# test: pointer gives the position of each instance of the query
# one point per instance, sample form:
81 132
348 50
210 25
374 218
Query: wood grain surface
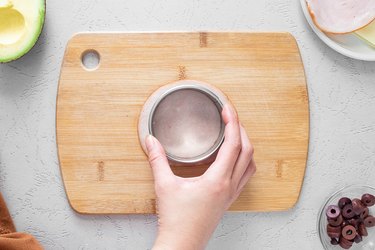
102 163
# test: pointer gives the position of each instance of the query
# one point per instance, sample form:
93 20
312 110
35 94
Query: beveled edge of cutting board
80 34
308 124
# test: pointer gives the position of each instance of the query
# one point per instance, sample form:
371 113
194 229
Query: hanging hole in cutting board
90 60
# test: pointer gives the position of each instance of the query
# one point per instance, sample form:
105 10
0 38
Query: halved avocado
21 22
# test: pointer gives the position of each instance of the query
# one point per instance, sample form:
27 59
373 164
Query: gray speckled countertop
342 143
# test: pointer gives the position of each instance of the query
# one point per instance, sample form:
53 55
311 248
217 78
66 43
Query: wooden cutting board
103 166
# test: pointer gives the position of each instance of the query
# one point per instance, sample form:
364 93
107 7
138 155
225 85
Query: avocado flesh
21 22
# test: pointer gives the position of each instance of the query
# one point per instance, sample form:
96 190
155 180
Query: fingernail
150 142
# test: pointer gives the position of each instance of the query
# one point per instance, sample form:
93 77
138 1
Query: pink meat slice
341 16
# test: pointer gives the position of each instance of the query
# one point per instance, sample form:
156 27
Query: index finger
231 147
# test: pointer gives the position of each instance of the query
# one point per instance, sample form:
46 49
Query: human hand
189 209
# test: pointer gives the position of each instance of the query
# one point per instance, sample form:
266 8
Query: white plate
348 44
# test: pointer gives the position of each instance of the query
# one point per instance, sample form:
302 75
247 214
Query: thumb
157 158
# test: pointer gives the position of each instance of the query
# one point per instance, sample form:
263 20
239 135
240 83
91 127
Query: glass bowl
354 191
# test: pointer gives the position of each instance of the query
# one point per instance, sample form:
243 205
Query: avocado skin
20 55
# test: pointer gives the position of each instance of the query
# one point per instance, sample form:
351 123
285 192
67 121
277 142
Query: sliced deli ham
341 16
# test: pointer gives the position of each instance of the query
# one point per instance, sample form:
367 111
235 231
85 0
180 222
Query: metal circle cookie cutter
145 122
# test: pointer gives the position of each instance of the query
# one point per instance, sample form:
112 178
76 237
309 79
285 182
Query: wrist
182 240
161 245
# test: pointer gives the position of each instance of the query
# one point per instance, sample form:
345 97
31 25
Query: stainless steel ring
219 105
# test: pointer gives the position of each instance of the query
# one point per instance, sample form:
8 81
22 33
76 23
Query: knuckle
248 150
217 190
220 187
236 145
252 150
153 158
211 182
226 184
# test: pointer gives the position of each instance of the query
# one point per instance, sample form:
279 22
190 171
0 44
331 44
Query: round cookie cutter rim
143 130
219 105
